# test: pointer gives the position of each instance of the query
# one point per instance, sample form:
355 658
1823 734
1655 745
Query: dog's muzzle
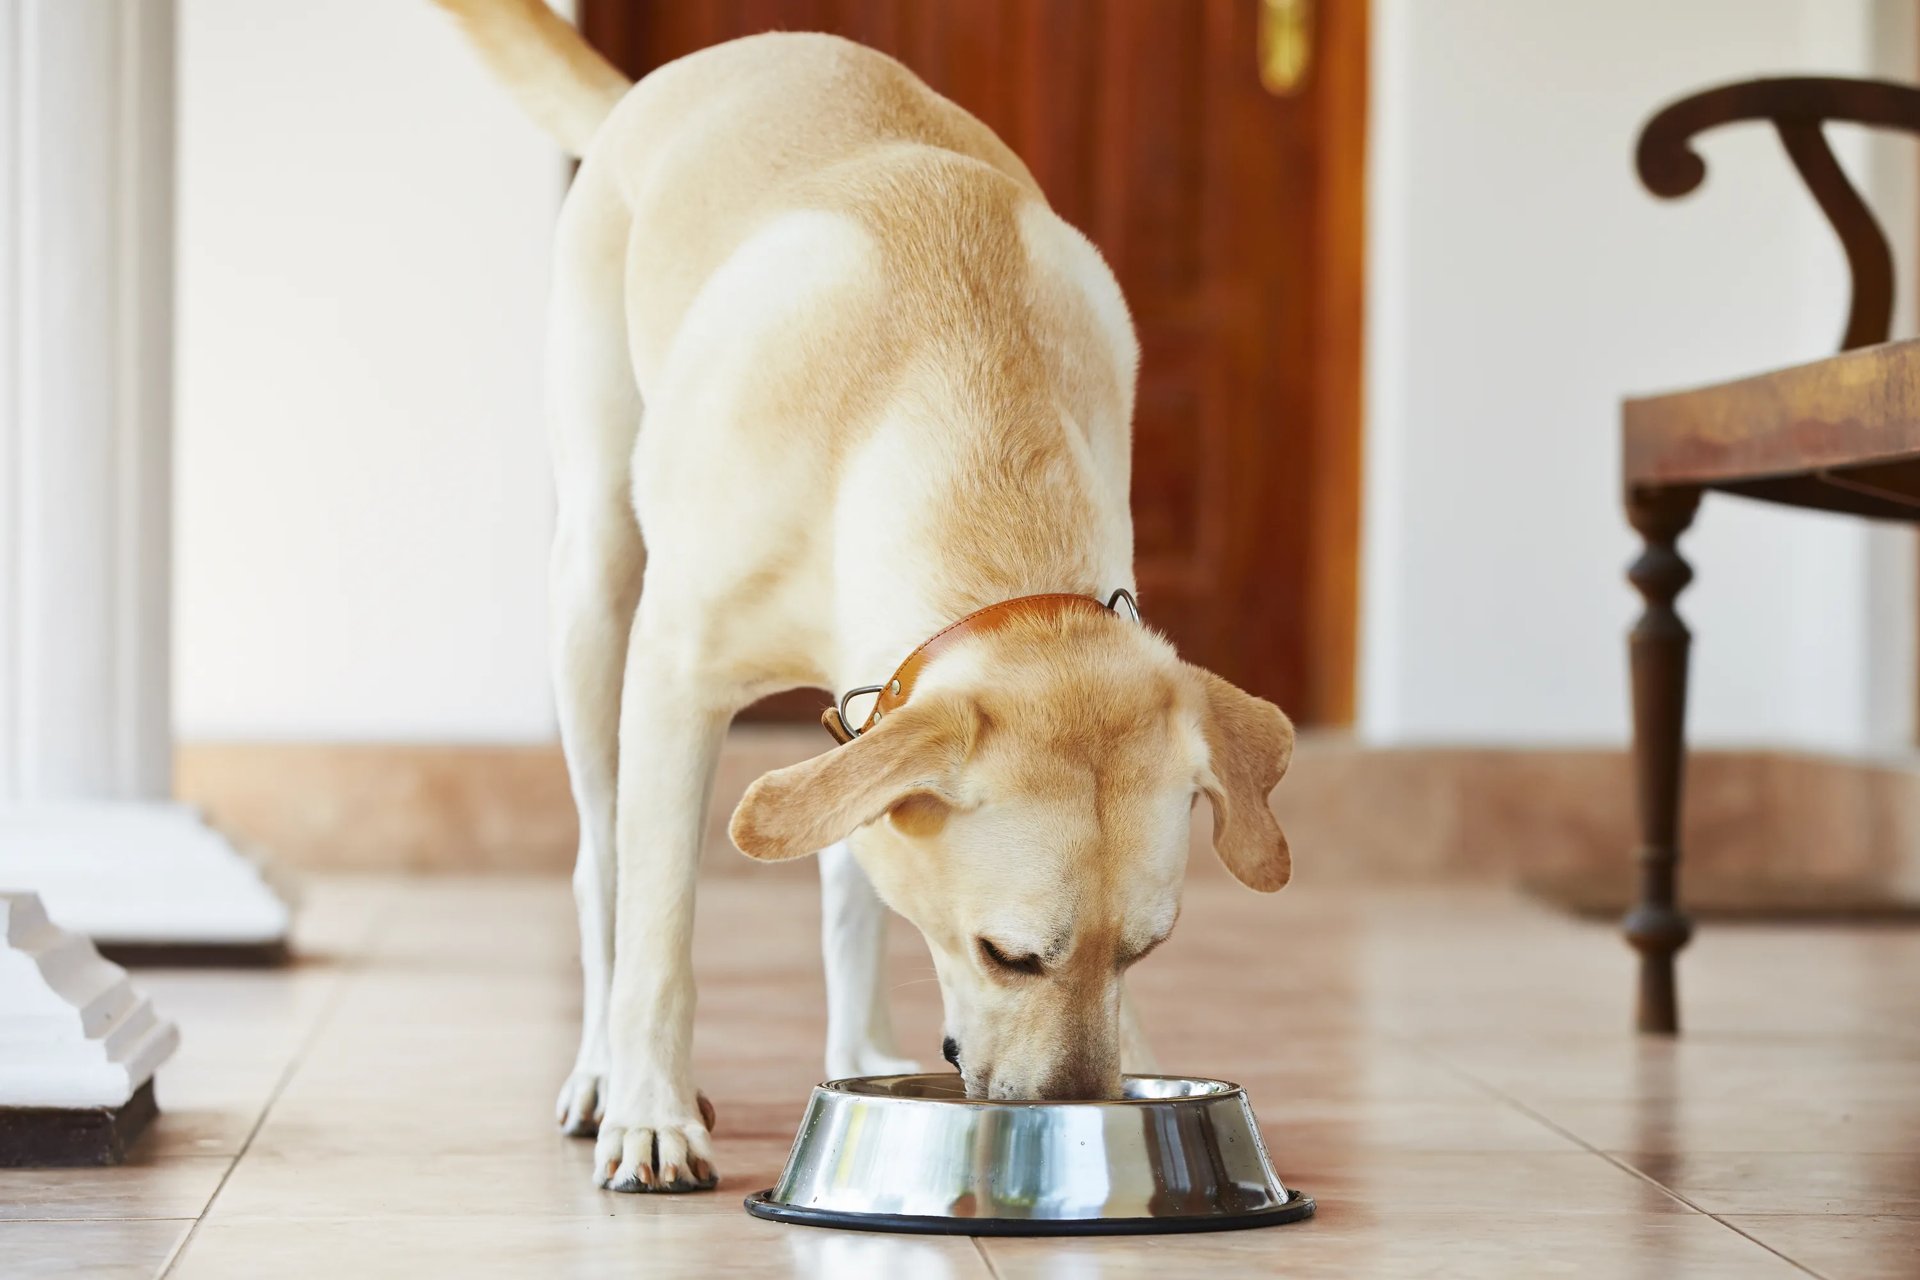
950 1050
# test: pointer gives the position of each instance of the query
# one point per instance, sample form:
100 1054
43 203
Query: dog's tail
552 72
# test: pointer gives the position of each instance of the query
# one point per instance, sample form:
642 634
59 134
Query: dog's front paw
578 1110
669 1152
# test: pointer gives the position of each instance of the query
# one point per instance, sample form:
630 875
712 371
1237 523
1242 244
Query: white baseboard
139 875
73 1031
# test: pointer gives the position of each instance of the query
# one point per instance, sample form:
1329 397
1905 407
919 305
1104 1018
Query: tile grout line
1500 1095
353 969
980 1247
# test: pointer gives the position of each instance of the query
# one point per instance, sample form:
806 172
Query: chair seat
1838 434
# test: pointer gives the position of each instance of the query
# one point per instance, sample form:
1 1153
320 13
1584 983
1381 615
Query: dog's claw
656 1158
579 1108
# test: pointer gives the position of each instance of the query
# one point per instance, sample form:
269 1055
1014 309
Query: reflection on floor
1444 1069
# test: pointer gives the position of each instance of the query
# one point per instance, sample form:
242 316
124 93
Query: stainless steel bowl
914 1153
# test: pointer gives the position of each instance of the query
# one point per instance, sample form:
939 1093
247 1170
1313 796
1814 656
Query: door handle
1284 45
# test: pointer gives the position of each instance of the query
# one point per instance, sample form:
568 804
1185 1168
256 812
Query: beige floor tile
1829 983
1470 1182
89 1250
207 1108
1394 1124
1708 1124
448 1173
241 1029
1790 1182
466 1120
390 1064
617 1247
1482 1246
1387 1038
1609 1066
171 1187
200 1131
1325 1069
337 915
1842 1247
319 1132
255 1014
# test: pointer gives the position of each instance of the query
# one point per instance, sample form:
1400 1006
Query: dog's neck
955 505
893 625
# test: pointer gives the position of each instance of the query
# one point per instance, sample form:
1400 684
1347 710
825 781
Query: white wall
1521 282
362 491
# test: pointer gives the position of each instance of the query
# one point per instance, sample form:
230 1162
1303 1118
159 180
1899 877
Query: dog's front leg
853 944
654 1135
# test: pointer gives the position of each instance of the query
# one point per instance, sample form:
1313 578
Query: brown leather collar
899 686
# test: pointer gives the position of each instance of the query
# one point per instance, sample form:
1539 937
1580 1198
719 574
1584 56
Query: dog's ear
1249 743
791 812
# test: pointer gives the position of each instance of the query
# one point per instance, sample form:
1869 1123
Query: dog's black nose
950 1050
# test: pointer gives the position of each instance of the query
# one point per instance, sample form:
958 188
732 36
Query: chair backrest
1798 108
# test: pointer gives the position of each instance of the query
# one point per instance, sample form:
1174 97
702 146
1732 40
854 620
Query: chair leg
1658 648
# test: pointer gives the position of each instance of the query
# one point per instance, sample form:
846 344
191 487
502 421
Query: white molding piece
73 1031
139 874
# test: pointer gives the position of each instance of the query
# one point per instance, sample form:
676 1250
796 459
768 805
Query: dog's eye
998 959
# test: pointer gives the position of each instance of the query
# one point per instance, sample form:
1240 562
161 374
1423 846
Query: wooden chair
1840 434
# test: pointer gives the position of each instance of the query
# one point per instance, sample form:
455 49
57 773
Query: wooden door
1232 216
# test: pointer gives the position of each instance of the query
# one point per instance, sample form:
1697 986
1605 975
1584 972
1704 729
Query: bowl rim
762 1204
839 1088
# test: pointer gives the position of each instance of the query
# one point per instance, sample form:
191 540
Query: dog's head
1028 810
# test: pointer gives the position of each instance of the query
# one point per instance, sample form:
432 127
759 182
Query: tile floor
1443 1068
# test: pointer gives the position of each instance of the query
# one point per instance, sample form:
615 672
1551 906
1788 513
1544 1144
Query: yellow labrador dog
827 375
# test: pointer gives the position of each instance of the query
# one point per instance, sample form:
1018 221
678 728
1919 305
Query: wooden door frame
1341 58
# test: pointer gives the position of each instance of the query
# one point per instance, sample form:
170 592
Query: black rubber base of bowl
1297 1207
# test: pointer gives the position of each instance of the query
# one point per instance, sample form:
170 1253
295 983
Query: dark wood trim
609 27
1339 300
195 955
1756 822
73 1137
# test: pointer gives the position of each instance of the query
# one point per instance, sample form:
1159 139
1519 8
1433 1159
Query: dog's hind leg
593 419
595 584
853 944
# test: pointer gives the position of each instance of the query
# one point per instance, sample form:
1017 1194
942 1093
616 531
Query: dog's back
820 268
823 251
712 149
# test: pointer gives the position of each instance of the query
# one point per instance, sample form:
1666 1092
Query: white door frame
86 400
